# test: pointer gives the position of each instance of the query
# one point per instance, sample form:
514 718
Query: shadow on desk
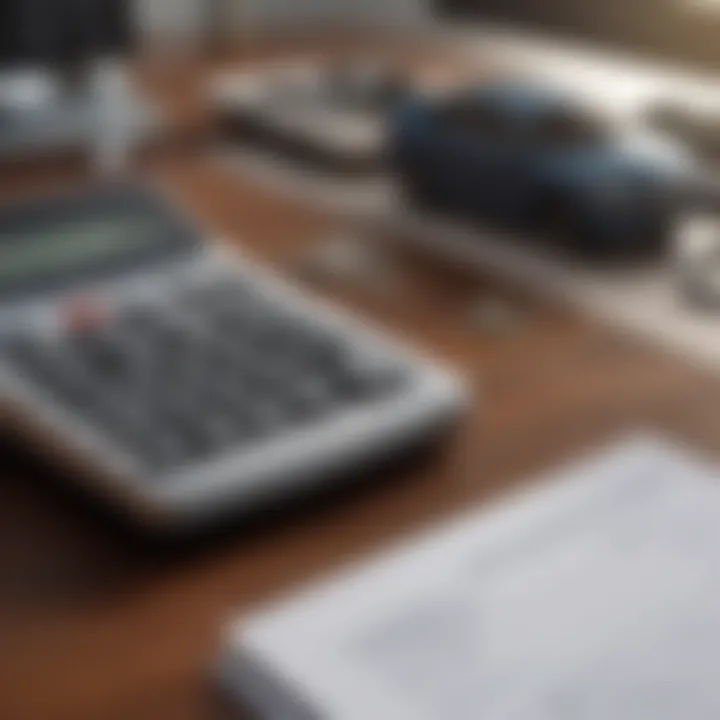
59 545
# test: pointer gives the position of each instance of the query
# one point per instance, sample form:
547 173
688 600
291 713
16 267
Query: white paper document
593 596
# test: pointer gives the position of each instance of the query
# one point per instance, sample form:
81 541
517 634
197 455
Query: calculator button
221 430
162 450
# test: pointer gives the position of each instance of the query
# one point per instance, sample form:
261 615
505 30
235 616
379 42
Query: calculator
184 382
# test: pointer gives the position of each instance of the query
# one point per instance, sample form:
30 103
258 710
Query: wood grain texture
98 624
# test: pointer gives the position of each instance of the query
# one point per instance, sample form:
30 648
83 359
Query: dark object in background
64 82
527 155
63 32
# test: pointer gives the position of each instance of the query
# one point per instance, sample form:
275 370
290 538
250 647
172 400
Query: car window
476 119
567 127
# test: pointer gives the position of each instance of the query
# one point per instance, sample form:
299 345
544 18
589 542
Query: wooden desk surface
95 625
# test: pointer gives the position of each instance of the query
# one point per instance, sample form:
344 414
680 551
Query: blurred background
684 30
505 188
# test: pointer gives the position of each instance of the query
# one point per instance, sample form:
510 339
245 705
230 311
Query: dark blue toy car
527 155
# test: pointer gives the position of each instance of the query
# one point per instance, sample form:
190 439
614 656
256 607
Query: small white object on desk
495 316
113 100
592 597
347 259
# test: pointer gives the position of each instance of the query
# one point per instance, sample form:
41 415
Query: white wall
299 14
183 19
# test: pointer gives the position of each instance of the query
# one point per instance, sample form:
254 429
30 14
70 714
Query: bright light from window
705 6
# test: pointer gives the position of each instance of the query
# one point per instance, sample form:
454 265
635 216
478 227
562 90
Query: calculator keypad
217 369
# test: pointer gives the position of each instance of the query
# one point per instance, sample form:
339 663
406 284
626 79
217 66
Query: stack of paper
592 597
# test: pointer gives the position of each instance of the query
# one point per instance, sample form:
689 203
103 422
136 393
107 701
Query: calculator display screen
66 247
63 241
